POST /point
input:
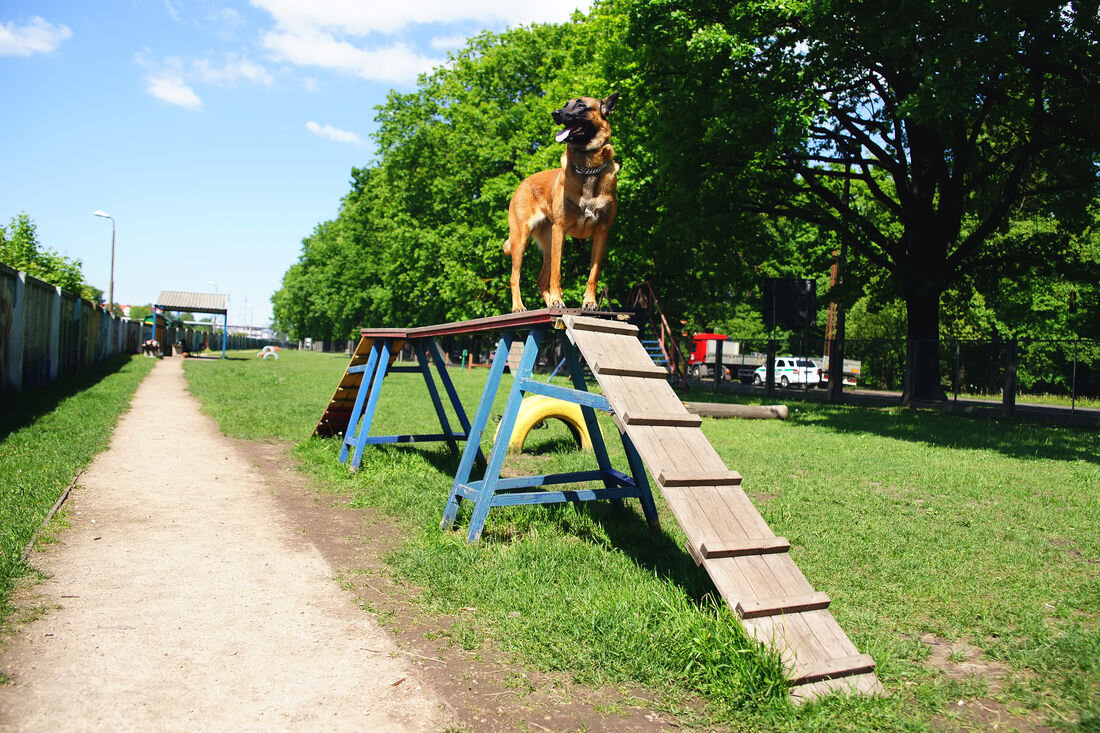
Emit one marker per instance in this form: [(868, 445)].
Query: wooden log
[(787, 604), (752, 412)]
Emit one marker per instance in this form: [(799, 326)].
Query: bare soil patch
[(486, 690), (961, 661)]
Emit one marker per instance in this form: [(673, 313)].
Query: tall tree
[(955, 117)]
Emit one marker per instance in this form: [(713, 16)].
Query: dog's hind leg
[(518, 234), (543, 239)]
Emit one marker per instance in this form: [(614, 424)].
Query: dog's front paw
[(519, 309), (557, 303), (589, 306)]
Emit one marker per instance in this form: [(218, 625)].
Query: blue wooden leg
[(444, 377), (372, 403), (637, 469), (426, 370), (500, 445), (360, 398), (481, 419), (576, 375)]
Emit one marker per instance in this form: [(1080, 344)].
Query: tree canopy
[(21, 250), (951, 145)]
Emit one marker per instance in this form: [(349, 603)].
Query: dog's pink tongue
[(563, 134)]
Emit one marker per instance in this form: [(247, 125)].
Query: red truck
[(703, 360)]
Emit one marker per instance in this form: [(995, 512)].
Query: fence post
[(1073, 385), (717, 363), (53, 345), (769, 369), (14, 377), (1008, 398)]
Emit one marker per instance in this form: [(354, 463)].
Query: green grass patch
[(47, 435), (921, 526)]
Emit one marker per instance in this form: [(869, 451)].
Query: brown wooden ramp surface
[(334, 421), (749, 565)]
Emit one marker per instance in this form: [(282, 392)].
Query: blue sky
[(217, 134)]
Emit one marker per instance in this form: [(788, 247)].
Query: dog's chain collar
[(589, 171)]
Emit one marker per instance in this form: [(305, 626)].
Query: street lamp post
[(111, 296)]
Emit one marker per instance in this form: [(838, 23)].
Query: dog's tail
[(508, 246)]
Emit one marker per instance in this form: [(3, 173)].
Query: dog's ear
[(607, 104)]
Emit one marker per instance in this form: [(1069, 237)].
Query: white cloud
[(35, 36), (171, 80), (316, 33), (446, 43), (332, 133), (358, 18), (394, 63), (173, 90), (233, 70)]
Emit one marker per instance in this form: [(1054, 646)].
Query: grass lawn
[(47, 435), (962, 553)]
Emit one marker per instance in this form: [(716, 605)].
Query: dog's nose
[(556, 115)]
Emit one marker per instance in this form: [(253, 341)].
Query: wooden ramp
[(338, 412), (749, 565)]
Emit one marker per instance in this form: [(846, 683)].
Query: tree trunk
[(922, 369)]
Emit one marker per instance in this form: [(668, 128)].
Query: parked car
[(791, 370)]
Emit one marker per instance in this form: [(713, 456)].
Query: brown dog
[(576, 200)]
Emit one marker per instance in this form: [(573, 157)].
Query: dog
[(576, 200)]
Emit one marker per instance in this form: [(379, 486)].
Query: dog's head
[(585, 121)]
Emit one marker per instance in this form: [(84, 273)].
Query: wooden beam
[(603, 326), (703, 478), (785, 604), (685, 419), (649, 371), (831, 669), (741, 548)]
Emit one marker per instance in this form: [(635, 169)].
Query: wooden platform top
[(508, 321)]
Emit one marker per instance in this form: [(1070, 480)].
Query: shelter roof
[(175, 300)]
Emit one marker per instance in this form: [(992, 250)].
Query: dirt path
[(181, 597)]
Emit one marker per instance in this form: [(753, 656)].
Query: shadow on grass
[(1011, 437), (1016, 437), (24, 408), (653, 550)]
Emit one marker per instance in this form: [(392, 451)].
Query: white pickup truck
[(790, 370)]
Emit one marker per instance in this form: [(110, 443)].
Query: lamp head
[(104, 214)]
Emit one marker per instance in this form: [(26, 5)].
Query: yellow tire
[(537, 408)]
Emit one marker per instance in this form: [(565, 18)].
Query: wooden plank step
[(741, 548), (700, 478), (578, 323), (684, 419), (650, 370), (831, 669), (784, 604)]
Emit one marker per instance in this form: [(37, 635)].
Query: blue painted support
[(645, 495), (500, 447), (481, 419), (372, 400), (360, 398), (445, 378), (492, 490), (576, 376), (426, 370)]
